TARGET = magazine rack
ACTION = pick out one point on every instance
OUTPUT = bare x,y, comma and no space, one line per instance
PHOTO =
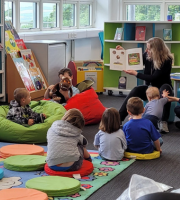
13,80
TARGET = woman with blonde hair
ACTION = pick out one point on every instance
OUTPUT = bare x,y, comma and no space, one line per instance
157,60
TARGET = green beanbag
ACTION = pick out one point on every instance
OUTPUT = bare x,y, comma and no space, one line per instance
13,132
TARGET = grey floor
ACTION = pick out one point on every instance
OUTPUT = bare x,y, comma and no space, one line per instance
166,169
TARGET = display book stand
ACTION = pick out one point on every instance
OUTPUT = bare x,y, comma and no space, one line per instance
153,29
13,80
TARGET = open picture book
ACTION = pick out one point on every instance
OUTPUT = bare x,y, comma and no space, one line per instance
130,59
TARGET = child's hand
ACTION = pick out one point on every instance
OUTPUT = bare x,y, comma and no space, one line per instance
30,122
160,150
118,47
165,93
44,115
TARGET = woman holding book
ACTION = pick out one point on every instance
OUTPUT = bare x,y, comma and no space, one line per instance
157,60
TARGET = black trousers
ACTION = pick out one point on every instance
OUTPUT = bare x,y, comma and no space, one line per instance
177,111
140,91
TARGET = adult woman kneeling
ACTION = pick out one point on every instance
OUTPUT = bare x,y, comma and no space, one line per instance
158,63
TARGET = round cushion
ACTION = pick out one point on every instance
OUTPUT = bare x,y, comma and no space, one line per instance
25,163
1,173
55,185
86,169
22,194
20,149
138,156
16,133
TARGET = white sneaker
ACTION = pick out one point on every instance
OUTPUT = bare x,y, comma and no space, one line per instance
163,126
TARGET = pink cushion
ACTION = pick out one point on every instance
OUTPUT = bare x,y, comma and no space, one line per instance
86,169
89,104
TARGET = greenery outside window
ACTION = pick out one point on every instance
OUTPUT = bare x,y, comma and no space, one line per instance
8,8
49,15
28,15
174,10
85,15
69,15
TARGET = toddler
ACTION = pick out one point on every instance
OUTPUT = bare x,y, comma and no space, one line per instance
20,111
110,140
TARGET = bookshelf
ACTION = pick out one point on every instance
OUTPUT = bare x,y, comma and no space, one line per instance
2,54
153,29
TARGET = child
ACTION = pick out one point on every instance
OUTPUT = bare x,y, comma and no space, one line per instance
141,135
66,144
110,140
154,108
20,111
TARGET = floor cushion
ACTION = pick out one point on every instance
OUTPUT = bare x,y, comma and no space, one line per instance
55,185
89,104
13,132
138,156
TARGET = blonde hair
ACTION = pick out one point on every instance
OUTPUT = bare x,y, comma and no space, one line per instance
110,121
152,92
74,117
159,51
20,93
135,105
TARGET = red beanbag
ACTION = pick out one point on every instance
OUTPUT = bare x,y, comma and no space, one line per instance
89,104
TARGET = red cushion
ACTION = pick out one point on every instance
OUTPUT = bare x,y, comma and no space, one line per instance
86,169
88,103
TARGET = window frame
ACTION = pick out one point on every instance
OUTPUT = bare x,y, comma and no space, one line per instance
169,4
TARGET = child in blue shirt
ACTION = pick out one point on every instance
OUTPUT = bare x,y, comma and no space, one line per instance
110,140
141,135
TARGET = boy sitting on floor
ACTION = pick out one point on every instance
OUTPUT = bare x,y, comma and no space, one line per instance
141,135
20,111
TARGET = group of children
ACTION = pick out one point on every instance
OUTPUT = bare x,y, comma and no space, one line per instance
66,144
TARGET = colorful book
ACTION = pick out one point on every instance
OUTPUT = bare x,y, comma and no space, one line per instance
172,59
20,44
167,34
41,79
130,59
34,73
27,56
20,65
8,26
118,34
122,82
10,43
140,33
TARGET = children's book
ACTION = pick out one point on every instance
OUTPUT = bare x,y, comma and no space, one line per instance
140,33
172,59
27,56
118,34
10,44
167,34
122,82
20,65
9,26
20,44
34,73
130,59
41,79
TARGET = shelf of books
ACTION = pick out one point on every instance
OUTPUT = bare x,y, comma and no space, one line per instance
22,67
133,36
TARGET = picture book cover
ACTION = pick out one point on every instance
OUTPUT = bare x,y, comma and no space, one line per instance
9,26
93,77
122,82
34,73
10,43
118,34
167,34
20,65
27,56
140,33
20,44
130,59
41,79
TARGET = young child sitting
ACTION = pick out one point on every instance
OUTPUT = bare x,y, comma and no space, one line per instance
20,111
154,108
141,135
66,144
110,140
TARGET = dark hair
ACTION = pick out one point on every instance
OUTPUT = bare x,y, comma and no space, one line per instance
135,105
74,117
110,121
65,70
20,93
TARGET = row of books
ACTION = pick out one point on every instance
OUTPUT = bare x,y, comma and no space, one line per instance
140,34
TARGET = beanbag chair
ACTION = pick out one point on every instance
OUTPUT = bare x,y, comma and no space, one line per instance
89,104
13,132
138,156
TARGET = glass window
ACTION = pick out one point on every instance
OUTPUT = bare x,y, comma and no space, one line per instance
143,12
174,10
8,11
85,15
49,15
68,14
28,15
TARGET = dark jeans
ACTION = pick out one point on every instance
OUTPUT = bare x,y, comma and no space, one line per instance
177,111
140,91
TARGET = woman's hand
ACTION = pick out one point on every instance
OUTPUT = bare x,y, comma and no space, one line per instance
131,72
118,47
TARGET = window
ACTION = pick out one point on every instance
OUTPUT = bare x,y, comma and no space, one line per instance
174,10
69,14
28,15
85,14
8,5
49,15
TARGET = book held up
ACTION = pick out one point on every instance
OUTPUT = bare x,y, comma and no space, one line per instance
130,59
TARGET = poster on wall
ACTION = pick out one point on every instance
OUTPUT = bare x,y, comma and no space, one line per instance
93,77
